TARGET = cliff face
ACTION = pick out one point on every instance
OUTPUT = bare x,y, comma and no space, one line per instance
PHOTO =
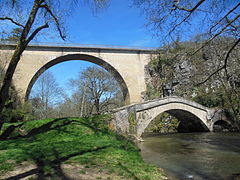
180,70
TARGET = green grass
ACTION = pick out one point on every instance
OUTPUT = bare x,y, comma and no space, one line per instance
85,141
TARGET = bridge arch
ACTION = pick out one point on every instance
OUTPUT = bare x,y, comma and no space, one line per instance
221,125
81,57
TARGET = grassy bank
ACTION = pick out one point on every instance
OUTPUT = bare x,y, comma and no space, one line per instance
72,148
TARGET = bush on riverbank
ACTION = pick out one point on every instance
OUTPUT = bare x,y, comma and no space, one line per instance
49,147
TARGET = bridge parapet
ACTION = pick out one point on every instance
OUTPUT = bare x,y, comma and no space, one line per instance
161,101
39,45
166,100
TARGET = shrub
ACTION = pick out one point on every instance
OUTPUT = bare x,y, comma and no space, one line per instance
20,114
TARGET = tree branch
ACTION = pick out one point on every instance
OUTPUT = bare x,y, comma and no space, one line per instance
10,19
35,32
224,65
217,34
46,7
184,20
189,10
235,28
184,9
229,12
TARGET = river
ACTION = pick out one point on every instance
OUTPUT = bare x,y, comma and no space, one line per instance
198,156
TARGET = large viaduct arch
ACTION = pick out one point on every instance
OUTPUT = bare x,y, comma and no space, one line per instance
125,64
134,119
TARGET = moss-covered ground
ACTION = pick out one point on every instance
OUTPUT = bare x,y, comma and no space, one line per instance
83,144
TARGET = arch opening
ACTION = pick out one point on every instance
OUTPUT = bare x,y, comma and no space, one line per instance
188,121
82,57
221,126
176,120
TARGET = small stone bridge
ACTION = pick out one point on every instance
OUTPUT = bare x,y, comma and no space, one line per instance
193,117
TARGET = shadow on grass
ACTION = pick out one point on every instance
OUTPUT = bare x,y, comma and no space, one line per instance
92,124
48,156
44,128
5,134
52,168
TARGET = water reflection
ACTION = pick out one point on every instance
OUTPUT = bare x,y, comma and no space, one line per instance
198,156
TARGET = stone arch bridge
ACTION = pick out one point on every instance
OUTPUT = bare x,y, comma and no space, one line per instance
126,64
193,117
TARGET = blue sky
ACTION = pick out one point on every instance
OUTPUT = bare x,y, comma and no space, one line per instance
118,24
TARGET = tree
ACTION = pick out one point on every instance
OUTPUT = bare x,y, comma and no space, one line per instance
40,15
45,94
179,20
97,88
14,35
182,18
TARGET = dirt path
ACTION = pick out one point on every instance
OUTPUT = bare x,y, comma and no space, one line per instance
25,171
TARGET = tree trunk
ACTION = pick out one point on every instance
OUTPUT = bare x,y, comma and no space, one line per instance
97,105
83,101
21,46
4,93
1,123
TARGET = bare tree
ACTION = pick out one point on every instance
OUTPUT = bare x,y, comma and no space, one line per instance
13,36
74,106
172,20
45,94
187,18
97,88
37,15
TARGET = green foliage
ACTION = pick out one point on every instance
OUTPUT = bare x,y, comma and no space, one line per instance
20,114
13,111
159,63
209,100
160,70
153,92
75,140
132,121
163,123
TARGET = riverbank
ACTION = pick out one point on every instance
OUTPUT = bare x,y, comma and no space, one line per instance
72,148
